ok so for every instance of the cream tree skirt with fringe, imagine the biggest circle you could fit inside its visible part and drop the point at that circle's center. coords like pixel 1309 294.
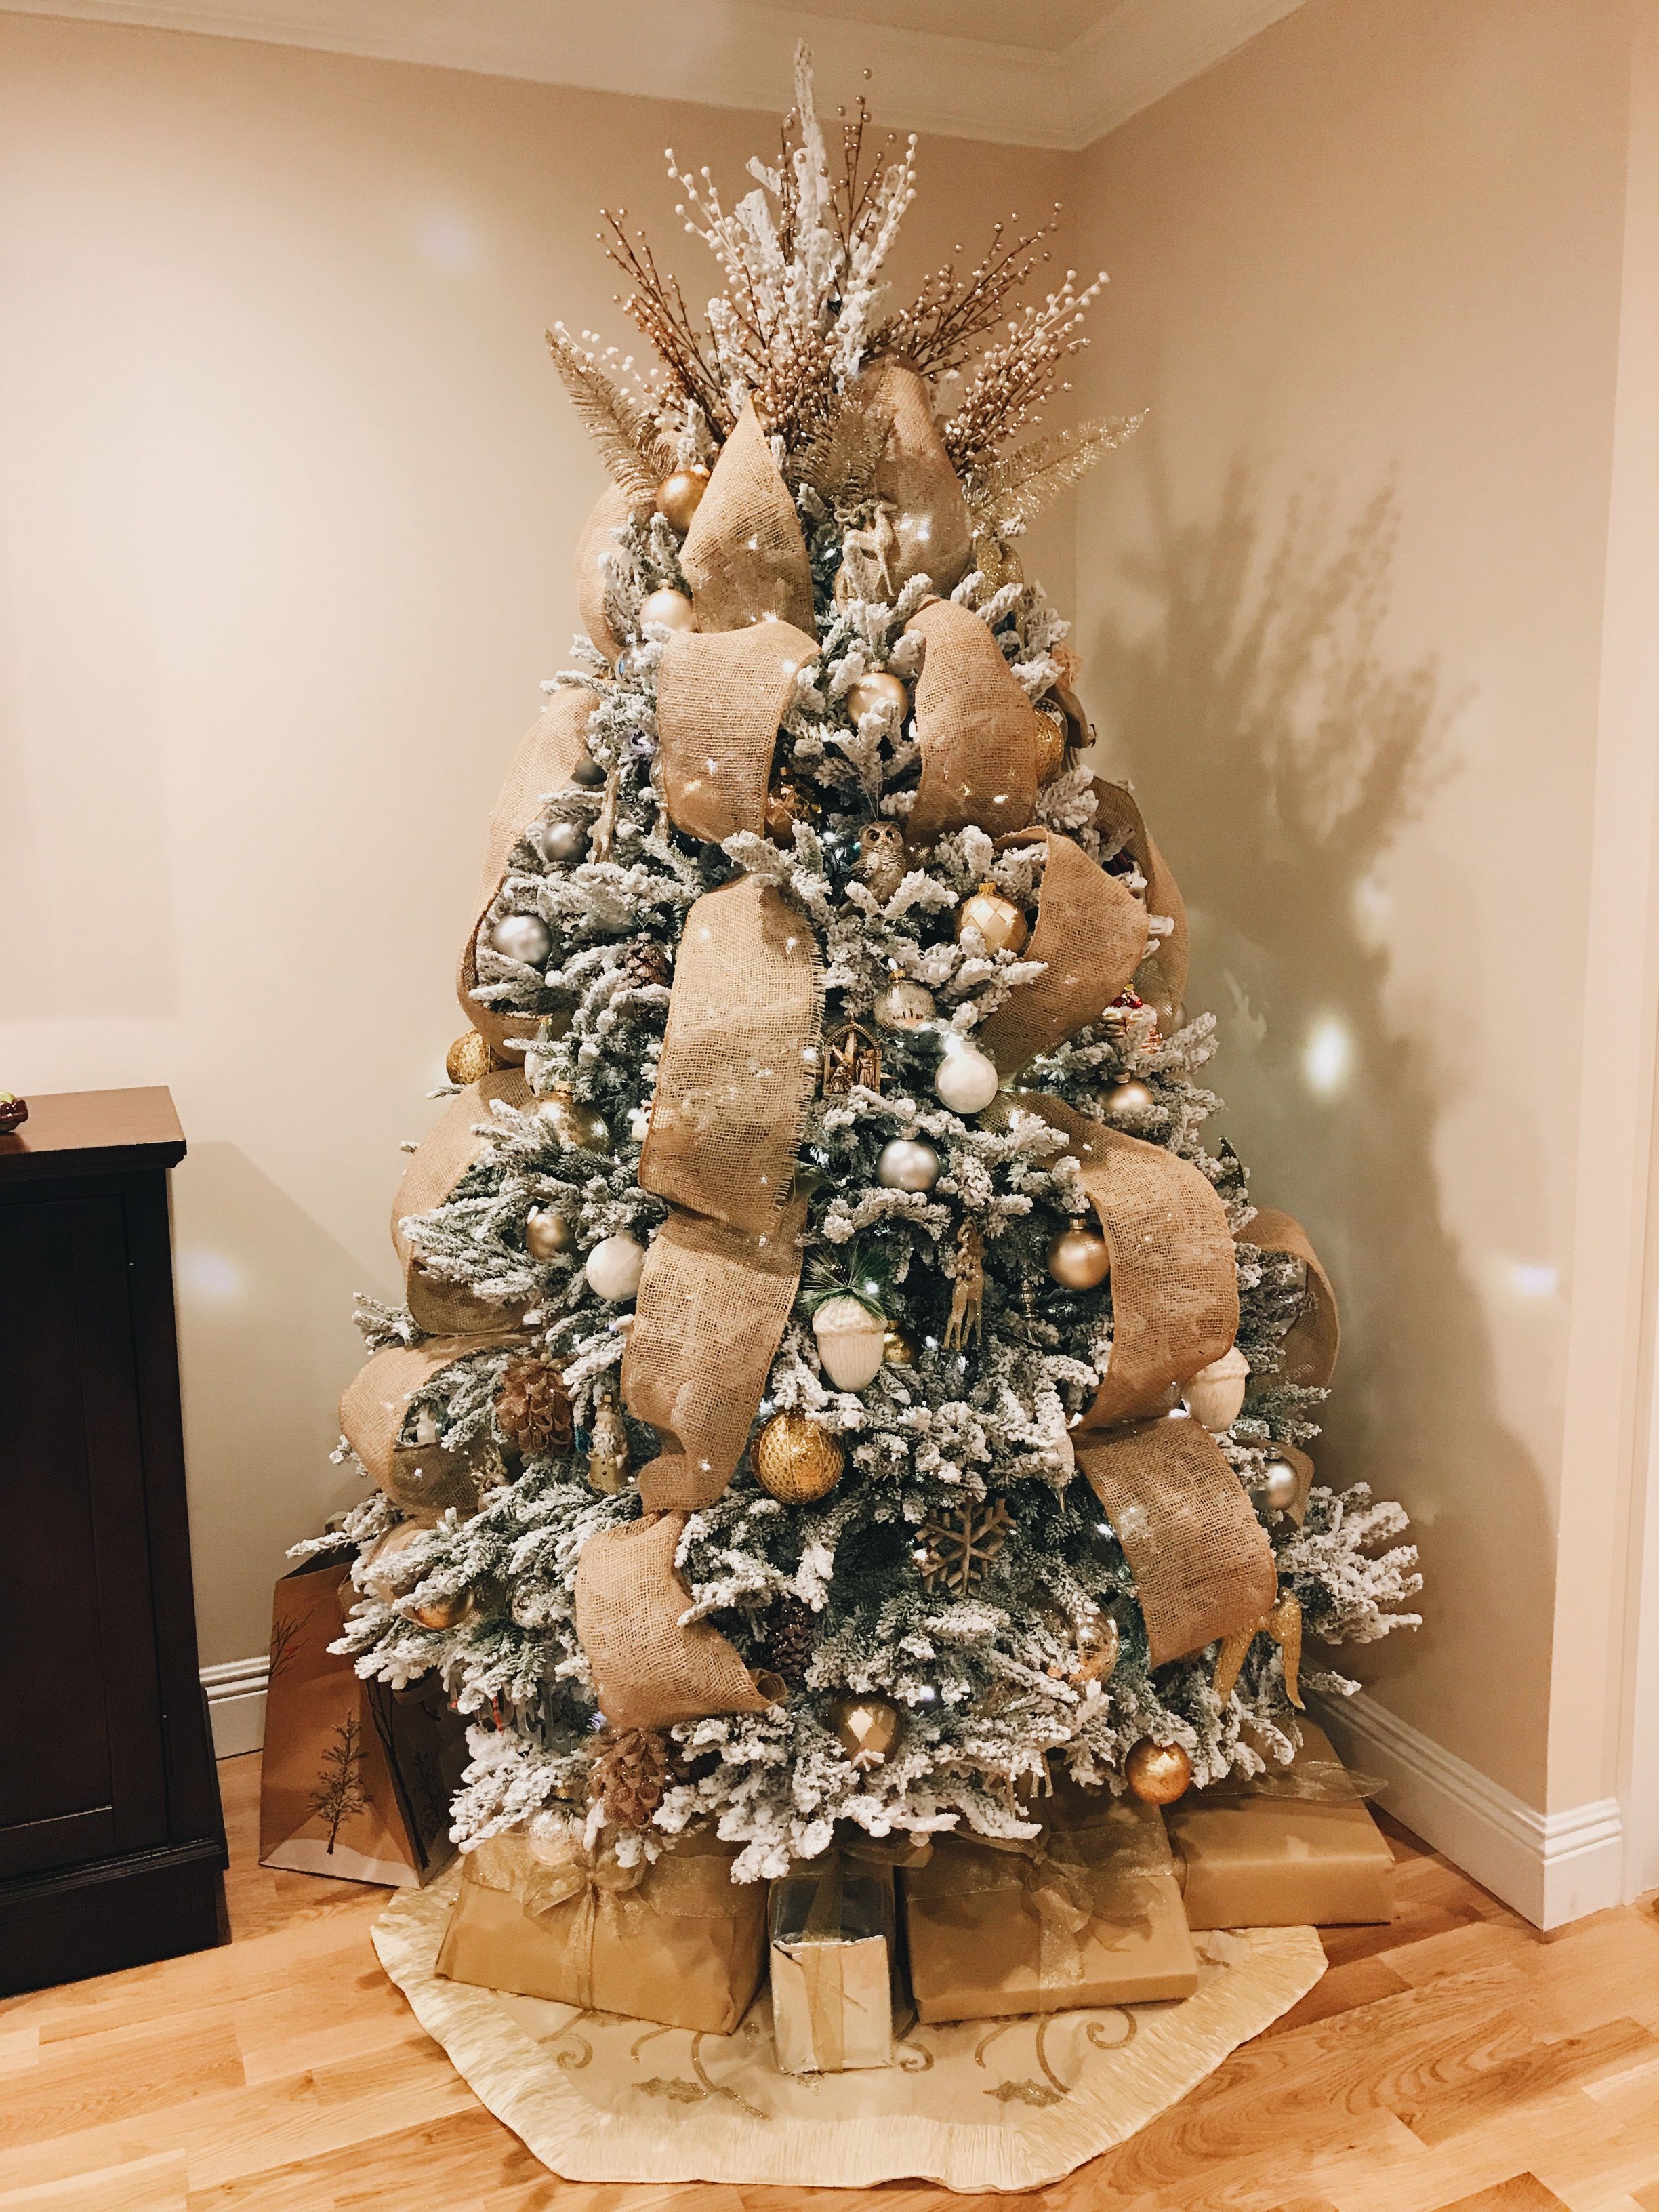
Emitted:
pixel 986 2104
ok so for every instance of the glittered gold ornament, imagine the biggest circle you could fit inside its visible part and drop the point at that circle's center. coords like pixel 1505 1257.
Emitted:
pixel 904 1005
pixel 1050 743
pixel 1158 1773
pixel 867 1728
pixel 796 1459
pixel 874 691
pixel 1079 1258
pixel 997 919
pixel 898 1346
pixel 580 1127
pixel 442 1613
pixel 1129 1101
pixel 469 1058
pixel 672 610
pixel 546 1234
pixel 680 496
pixel 1282 1485
pixel 607 1451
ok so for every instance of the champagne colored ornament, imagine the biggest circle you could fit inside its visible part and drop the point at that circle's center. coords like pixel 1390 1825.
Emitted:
pixel 1281 1486
pixel 1078 1259
pixel 796 1459
pixel 614 1267
pixel 442 1613
pixel 1051 734
pixel 607 1450
pixel 1158 1773
pixel 670 610
pixel 997 919
pixel 588 772
pixel 578 1128
pixel 1129 1101
pixel 388 1569
pixel 907 1163
pixel 522 937
pixel 966 1079
pixel 469 1058
pixel 1215 1395
pixel 851 1340
pixel 881 866
pixel 564 843
pixel 904 1005
pixel 546 1234
pixel 898 1346
pixel 876 691
pixel 867 1729
pixel 680 496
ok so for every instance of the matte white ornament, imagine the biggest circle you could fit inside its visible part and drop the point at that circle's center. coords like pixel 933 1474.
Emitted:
pixel 967 1080
pixel 1215 1395
pixel 904 1005
pixel 522 937
pixel 907 1163
pixel 614 1267
pixel 639 1123
pixel 564 841
pixel 851 1342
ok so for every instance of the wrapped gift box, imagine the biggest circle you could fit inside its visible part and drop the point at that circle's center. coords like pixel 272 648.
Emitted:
pixel 1090 1915
pixel 677 1941
pixel 834 1952
pixel 1291 1851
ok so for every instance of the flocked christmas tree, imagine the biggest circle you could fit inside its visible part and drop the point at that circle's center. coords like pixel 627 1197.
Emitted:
pixel 837 1382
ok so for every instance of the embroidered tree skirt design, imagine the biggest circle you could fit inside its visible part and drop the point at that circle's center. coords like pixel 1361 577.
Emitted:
pixel 985 2104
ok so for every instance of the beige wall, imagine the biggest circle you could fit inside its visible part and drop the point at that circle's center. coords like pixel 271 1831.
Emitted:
pixel 288 500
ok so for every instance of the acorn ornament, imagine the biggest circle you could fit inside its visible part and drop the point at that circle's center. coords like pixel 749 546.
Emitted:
pixel 1079 1258
pixel 469 1059
pixel 1158 1773
pixel 997 919
pixel 852 1341
pixel 669 610
pixel 796 1459
pixel 680 496
pixel 1215 1395
pixel 867 1728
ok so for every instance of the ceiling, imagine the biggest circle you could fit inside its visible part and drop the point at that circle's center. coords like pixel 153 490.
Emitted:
pixel 1053 73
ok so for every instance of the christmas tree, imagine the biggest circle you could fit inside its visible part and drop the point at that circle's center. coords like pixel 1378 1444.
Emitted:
pixel 837 1384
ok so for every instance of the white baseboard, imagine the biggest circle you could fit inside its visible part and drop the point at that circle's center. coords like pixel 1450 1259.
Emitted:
pixel 236 1704
pixel 1551 1866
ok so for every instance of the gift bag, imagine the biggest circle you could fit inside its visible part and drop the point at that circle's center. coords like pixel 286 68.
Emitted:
pixel 677 1941
pixel 1089 1914
pixel 836 1997
pixel 357 1778
pixel 1296 1847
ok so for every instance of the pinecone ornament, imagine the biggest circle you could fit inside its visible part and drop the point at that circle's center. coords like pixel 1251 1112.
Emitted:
pixel 531 1409
pixel 789 1640
pixel 628 1775
pixel 645 962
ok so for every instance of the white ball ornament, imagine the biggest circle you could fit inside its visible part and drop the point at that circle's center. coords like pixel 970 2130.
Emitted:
pixel 522 937
pixel 907 1163
pixel 614 1267
pixel 1215 1395
pixel 671 610
pixel 967 1080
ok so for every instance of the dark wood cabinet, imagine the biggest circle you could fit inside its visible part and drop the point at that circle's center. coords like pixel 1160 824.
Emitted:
pixel 112 1843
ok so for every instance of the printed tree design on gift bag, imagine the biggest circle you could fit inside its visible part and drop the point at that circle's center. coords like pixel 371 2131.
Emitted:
pixel 340 1794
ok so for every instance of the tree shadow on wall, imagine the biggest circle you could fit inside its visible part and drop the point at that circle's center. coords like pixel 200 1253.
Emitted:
pixel 1278 753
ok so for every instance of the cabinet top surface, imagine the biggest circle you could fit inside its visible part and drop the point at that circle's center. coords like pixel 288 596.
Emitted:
pixel 80 1132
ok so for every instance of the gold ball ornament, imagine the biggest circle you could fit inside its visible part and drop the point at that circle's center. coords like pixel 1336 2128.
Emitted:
pixel 1281 1484
pixel 1158 1773
pixel 672 610
pixel 1129 1101
pixel 796 1459
pixel 578 1128
pixel 867 1728
pixel 1079 1258
pixel 546 1234
pixel 1051 734
pixel 898 1346
pixel 679 496
pixel 872 693
pixel 470 1058
pixel 997 919
pixel 442 1613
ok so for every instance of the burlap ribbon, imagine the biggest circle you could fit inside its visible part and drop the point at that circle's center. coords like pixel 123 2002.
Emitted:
pixel 650 1669
pixel 545 756
pixel 711 1310
pixel 1310 1346
pixel 931 528
pixel 594 549
pixel 739 1058
pixel 977 730
pixel 423 1479
pixel 458 1138
pixel 1163 982
pixel 720 701
pixel 1090 933
pixel 745 556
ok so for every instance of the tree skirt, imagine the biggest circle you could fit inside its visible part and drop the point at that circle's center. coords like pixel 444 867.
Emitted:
pixel 988 2104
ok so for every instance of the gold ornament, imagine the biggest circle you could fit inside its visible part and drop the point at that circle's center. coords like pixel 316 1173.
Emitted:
pixel 956 1545
pixel 785 803
pixel 470 1058
pixel 874 691
pixel 546 1234
pixel 442 1613
pixel 680 496
pixel 1158 1773
pixel 968 1291
pixel 607 1451
pixel 578 1128
pixel 898 1346
pixel 1281 1484
pixel 997 919
pixel 1129 1100
pixel 867 1728
pixel 797 1459
pixel 851 1058
pixel 881 864
pixel 672 610
pixel 1079 1258
pixel 1051 744
pixel 1283 1622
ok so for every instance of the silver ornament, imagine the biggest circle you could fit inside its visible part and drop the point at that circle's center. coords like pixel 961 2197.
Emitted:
pixel 907 1163
pixel 587 772
pixel 522 937
pixel 1282 1484
pixel 563 841
pixel 904 1005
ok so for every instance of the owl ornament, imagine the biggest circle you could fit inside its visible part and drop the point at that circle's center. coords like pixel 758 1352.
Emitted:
pixel 881 865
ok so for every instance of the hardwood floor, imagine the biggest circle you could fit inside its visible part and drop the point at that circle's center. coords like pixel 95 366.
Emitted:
pixel 1456 2062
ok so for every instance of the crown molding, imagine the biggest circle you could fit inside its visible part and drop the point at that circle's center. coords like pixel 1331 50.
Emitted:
pixel 737 53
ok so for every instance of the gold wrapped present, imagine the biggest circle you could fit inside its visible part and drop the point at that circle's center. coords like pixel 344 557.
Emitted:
pixel 1296 1847
pixel 677 1941
pixel 834 1946
pixel 1088 1915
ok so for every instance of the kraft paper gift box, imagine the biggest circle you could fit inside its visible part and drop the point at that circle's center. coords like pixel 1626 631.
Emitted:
pixel 1090 1915
pixel 677 1941
pixel 1296 1849
pixel 357 1778
pixel 834 1955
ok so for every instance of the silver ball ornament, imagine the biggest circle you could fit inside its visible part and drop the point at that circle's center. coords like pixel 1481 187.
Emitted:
pixel 563 841
pixel 614 1267
pixel 546 1234
pixel 522 937
pixel 907 1163
pixel 1281 1486
pixel 587 772
pixel 967 1080
pixel 904 1005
